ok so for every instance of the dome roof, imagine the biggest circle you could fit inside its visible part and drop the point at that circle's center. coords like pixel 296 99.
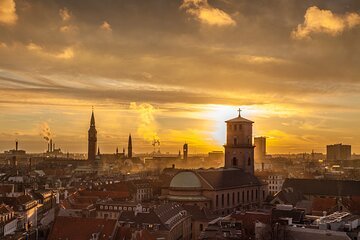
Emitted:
pixel 185 179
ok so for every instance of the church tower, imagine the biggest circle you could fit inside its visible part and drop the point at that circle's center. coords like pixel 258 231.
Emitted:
pixel 239 150
pixel 92 139
pixel 130 147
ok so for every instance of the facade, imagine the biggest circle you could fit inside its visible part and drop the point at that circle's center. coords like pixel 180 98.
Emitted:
pixel 275 182
pixel 260 149
pixel 239 150
pixel 8 221
pixel 220 190
pixel 92 139
pixel 338 152
pixel 110 209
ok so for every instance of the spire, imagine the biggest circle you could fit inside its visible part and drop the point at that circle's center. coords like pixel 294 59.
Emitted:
pixel 92 121
pixel 130 147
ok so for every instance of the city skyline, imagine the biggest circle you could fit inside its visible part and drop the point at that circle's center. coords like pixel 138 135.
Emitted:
pixel 178 72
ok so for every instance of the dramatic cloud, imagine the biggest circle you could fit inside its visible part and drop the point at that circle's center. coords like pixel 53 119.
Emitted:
pixel 64 14
pixel 8 14
pixel 66 53
pixel 106 26
pixel 54 65
pixel 325 21
pixel 207 14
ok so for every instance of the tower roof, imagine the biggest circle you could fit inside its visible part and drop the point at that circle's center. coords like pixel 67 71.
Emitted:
pixel 239 119
pixel 92 121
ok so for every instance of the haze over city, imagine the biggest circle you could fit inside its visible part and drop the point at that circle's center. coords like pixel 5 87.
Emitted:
pixel 176 70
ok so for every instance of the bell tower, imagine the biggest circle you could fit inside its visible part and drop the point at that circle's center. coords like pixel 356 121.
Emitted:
pixel 92 139
pixel 239 150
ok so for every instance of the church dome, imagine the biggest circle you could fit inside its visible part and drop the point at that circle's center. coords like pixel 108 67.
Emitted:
pixel 185 179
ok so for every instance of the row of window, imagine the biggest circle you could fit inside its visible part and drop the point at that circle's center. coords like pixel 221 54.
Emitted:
pixel 234 198
pixel 120 208
pixel 234 127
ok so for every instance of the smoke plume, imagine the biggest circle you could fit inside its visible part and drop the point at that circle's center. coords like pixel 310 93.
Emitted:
pixel 147 127
pixel 45 131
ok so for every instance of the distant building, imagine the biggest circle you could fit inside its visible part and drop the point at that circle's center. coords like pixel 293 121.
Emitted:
pixel 185 151
pixel 92 139
pixel 338 152
pixel 130 147
pixel 239 150
pixel 260 149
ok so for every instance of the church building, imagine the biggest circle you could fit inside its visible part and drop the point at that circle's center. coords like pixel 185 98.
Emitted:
pixel 224 189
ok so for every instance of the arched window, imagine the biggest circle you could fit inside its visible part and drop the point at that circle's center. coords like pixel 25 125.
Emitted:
pixel 235 141
pixel 234 161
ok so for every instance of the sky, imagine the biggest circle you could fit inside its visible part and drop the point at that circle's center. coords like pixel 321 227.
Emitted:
pixel 175 70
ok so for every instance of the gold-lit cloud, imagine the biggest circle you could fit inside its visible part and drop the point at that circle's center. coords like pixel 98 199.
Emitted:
pixel 207 14
pixel 66 53
pixel 8 14
pixel 106 26
pixel 324 21
pixel 64 14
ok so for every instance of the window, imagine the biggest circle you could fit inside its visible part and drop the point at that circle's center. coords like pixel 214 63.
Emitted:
pixel 234 163
pixel 222 200
pixel 243 196
pixel 238 197
pixel 233 198
pixel 235 141
pixel 252 195
pixel 228 199
pixel 247 195
pixel 201 227
pixel 249 161
pixel 217 201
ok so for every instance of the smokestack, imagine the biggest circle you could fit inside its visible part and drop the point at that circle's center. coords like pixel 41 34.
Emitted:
pixel 51 145
pixel 48 147
pixel 16 145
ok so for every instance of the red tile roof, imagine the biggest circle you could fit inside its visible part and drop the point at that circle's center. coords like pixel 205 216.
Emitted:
pixel 324 204
pixel 82 228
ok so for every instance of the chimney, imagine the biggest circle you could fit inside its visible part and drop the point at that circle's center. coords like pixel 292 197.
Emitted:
pixel 51 145
pixel 17 145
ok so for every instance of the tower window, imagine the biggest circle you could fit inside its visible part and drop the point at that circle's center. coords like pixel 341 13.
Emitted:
pixel 235 141
pixel 234 161
pixel 249 161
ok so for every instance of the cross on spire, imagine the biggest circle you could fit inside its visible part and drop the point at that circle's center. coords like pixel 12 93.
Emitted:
pixel 239 112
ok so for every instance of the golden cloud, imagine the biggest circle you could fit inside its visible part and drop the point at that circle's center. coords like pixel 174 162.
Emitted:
pixel 8 14
pixel 324 21
pixel 64 14
pixel 106 26
pixel 67 53
pixel 207 14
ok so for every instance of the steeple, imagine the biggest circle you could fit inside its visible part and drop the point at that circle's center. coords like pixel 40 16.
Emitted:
pixel 92 138
pixel 92 121
pixel 130 147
